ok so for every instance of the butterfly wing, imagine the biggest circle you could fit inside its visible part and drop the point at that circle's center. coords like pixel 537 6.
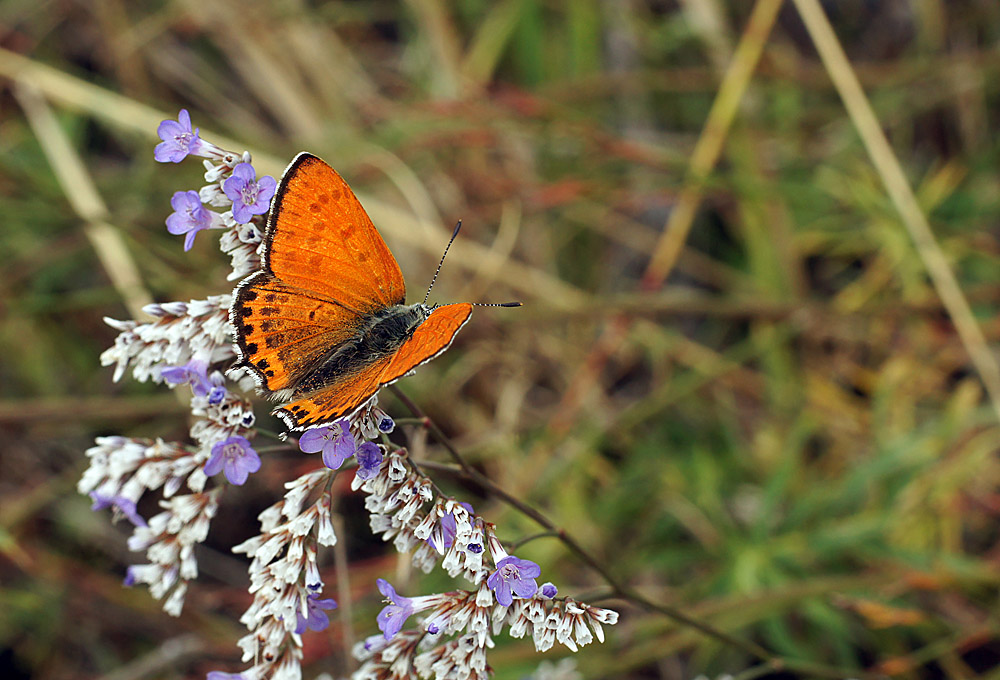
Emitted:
pixel 283 331
pixel 430 338
pixel 325 268
pixel 344 397
pixel 336 401
pixel 320 239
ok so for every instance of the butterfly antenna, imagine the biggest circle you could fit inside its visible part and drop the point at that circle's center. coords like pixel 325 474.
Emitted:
pixel 450 241
pixel 495 304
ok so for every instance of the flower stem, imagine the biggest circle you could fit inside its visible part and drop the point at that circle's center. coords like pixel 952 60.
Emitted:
pixel 620 589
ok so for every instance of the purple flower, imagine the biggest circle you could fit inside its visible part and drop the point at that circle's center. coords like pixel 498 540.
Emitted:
pixel 394 615
pixel 219 675
pixel 217 391
pixel 130 577
pixel 179 139
pixel 236 456
pixel 369 457
pixel 315 619
pixel 513 574
pixel 189 217
pixel 385 424
pixel 194 374
pixel 549 590
pixel 249 196
pixel 449 529
pixel 121 504
pixel 335 441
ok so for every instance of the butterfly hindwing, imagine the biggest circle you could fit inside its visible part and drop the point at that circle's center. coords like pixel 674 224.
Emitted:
pixel 431 337
pixel 335 401
pixel 283 331
pixel 320 239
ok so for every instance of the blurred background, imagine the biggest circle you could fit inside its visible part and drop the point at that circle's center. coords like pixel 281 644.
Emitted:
pixel 736 379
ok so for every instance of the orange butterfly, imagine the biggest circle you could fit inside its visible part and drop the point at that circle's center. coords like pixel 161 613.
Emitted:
pixel 323 322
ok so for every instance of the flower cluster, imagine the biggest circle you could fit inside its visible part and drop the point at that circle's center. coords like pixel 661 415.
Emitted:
pixel 405 510
pixel 285 579
pixel 188 346
pixel 122 470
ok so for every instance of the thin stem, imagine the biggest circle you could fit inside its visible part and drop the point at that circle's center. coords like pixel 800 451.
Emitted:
pixel 462 468
pixel 514 545
pixel 271 434
pixel 625 592
pixel 273 449
pixel 433 428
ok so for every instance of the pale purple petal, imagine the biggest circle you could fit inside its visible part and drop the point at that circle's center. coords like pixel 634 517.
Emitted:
pixel 386 589
pixel 179 139
pixel 125 506
pixel 335 453
pixel 266 186
pixel 369 458
pixel 524 587
pixel 503 593
pixel 394 615
pixel 215 462
pixel 175 375
pixel 241 213
pixel 189 217
pixel 312 441
pixel 233 186
pixel 526 568
pixel 245 172
pixel 236 457
pixel 513 574
pixel 219 675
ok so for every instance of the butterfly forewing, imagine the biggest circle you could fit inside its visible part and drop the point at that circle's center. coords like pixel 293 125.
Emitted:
pixel 430 338
pixel 320 239
pixel 283 331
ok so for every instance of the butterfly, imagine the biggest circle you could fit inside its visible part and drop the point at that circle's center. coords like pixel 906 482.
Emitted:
pixel 323 324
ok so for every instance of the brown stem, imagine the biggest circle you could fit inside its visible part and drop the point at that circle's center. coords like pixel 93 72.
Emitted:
pixel 770 660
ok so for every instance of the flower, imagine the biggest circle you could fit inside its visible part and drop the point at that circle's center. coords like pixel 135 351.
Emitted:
pixel 217 392
pixel 123 505
pixel 249 196
pixel 314 619
pixel 335 441
pixel 192 373
pixel 236 456
pixel 179 139
pixel 548 590
pixel 513 574
pixel 219 675
pixel 369 457
pixel 382 420
pixel 394 615
pixel 189 217
pixel 449 529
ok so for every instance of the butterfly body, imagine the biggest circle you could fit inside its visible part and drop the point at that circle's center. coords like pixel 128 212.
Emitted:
pixel 323 323
pixel 379 336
